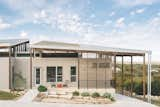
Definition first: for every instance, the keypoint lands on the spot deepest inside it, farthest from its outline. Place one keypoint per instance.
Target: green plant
(75, 93)
(85, 94)
(42, 88)
(107, 95)
(7, 96)
(138, 88)
(155, 88)
(95, 95)
(112, 98)
(127, 85)
(53, 85)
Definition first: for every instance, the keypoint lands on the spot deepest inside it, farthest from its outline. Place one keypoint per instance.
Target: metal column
(131, 76)
(144, 78)
(78, 72)
(149, 76)
(115, 76)
(96, 69)
(87, 70)
(122, 82)
(31, 53)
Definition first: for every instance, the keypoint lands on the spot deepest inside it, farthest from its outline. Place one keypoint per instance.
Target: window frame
(73, 75)
(54, 78)
(37, 69)
(57, 75)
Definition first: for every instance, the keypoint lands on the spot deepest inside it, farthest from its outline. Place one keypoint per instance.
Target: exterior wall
(95, 77)
(66, 63)
(4, 79)
(22, 67)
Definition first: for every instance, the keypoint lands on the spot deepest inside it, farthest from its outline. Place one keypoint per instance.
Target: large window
(54, 74)
(51, 74)
(73, 74)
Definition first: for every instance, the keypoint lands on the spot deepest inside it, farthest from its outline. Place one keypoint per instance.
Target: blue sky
(114, 23)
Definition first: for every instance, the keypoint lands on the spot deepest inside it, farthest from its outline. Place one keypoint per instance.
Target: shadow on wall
(19, 82)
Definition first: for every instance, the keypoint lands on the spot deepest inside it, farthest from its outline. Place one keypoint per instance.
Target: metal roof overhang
(92, 49)
(12, 42)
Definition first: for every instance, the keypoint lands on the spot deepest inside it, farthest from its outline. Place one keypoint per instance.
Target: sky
(133, 24)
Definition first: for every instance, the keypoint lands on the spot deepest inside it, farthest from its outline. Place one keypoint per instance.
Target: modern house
(63, 64)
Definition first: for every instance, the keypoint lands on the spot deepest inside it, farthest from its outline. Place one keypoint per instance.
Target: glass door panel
(37, 75)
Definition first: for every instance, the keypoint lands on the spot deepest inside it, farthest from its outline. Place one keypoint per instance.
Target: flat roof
(11, 42)
(53, 45)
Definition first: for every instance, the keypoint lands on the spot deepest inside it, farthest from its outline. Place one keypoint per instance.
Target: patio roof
(52, 45)
(11, 42)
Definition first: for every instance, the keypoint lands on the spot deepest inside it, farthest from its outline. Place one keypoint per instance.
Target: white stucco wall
(4, 71)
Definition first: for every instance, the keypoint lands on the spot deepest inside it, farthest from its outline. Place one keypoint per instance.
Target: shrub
(75, 93)
(95, 95)
(53, 85)
(107, 95)
(85, 94)
(112, 98)
(42, 88)
(138, 88)
(127, 85)
(155, 88)
(155, 91)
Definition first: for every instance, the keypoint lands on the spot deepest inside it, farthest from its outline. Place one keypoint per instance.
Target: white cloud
(23, 34)
(158, 13)
(138, 11)
(108, 21)
(41, 14)
(112, 14)
(4, 25)
(132, 13)
(135, 2)
(120, 22)
(37, 38)
(93, 16)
